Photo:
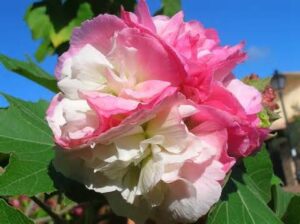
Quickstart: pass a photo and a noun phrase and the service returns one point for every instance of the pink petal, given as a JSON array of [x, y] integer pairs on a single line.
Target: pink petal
[[198, 86], [54, 102], [223, 99], [145, 91], [139, 116], [158, 63], [144, 16], [111, 110], [169, 29], [249, 97], [243, 136], [226, 59], [130, 20], [216, 135], [97, 32], [108, 105]]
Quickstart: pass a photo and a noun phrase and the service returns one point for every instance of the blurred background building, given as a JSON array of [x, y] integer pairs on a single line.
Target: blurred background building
[[291, 98], [285, 146]]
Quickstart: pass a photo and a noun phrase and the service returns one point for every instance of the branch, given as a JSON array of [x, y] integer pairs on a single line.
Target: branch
[[66, 209], [56, 218], [29, 208], [42, 220]]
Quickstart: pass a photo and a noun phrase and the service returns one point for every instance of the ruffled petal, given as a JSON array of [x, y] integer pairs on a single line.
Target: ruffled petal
[[97, 32], [249, 97]]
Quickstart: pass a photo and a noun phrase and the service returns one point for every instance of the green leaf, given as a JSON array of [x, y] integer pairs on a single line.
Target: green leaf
[[84, 12], [292, 215], [264, 119], [25, 135], [31, 71], [38, 21], [43, 50], [170, 7], [240, 204], [245, 196], [260, 84], [276, 180], [39, 27], [281, 200], [259, 171], [9, 215], [53, 22]]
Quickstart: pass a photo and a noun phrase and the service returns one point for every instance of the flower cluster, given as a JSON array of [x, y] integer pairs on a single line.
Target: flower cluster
[[151, 115]]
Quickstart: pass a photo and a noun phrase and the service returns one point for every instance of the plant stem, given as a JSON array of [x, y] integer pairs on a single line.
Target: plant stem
[[42, 220], [56, 218], [66, 209], [29, 208], [89, 213], [59, 202], [48, 218]]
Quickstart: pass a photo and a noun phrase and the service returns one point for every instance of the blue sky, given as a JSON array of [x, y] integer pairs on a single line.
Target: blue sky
[[271, 29]]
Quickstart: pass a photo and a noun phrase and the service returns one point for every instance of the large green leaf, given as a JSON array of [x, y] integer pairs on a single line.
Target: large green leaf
[[53, 22], [9, 215], [281, 200], [245, 196], [239, 204], [260, 84], [40, 26], [25, 135], [170, 7], [30, 70], [292, 215], [84, 12], [259, 170]]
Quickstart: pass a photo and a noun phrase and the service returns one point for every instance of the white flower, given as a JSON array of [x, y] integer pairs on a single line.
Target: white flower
[[157, 167]]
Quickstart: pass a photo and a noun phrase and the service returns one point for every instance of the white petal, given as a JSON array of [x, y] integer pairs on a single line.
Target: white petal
[[209, 188], [130, 181], [151, 172], [128, 148], [115, 170], [73, 119], [100, 183], [71, 87], [156, 195], [180, 204], [104, 153], [84, 72], [169, 125], [88, 65], [187, 110], [138, 212]]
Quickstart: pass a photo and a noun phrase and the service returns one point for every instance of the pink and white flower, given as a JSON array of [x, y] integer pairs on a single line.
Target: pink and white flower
[[110, 72], [158, 169], [209, 80], [150, 114]]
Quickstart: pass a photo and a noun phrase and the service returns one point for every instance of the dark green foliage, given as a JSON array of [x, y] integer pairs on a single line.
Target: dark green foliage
[[31, 71], [9, 215], [52, 21], [245, 196], [25, 135]]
